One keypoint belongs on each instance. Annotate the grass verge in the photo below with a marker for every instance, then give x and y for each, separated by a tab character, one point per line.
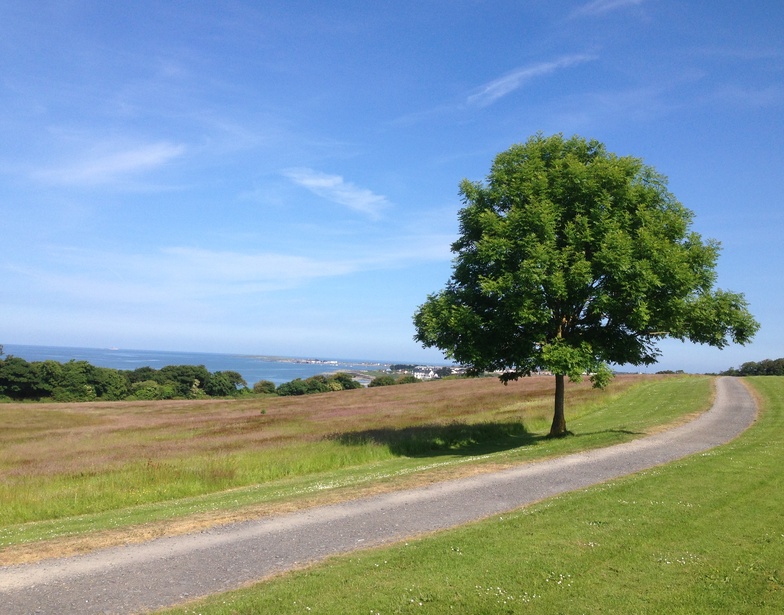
701	535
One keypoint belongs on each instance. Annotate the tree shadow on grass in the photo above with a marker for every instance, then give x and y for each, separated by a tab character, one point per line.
571	434
619	431
451	439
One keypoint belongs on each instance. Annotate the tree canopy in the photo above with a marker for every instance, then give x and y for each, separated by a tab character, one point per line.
571	258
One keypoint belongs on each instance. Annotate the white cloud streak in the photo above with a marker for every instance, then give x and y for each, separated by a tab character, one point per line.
109	166
334	188
178	275
600	7
251	272
498	88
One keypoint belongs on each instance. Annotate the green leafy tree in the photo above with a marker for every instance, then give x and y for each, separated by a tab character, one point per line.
766	367
571	258
224	384
382	381
20	379
50	376
146	390
142	374
265	387
219	385
295	387
188	380
317	384
110	383
346	381
76	383
235	378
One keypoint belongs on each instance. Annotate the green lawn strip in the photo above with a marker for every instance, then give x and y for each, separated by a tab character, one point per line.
325	466
701	535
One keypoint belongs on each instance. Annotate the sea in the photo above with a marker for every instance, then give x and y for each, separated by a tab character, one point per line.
253	368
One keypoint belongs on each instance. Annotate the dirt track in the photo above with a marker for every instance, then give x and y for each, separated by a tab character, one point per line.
167	571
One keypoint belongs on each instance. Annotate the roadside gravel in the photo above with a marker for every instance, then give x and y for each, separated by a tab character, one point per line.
167	571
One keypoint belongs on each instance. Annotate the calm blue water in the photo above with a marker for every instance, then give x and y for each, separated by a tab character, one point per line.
252	368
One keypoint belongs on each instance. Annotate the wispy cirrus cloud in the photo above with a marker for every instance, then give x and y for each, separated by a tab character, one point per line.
334	188
600	7
108	164
242	272
490	92
171	275
177	275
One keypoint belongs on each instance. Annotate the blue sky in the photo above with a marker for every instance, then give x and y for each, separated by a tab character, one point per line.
282	177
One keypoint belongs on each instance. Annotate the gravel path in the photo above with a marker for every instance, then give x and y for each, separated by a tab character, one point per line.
168	571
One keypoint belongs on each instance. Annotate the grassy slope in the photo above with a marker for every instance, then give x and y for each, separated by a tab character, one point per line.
112	473
702	535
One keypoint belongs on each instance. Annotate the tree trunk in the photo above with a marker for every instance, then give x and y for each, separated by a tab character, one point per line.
558	428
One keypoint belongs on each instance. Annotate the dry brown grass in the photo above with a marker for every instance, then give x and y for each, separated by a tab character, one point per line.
46	439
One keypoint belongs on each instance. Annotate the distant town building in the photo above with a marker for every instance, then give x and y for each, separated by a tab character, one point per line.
422	372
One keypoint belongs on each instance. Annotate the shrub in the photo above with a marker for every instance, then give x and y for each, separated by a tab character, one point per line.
346	381
264	387
382	381
296	387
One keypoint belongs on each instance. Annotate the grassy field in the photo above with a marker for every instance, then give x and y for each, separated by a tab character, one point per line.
702	535
79	476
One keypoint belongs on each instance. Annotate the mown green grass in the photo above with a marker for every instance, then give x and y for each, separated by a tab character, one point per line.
701	535
40	507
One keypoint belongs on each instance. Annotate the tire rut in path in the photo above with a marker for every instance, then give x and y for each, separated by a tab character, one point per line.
169	571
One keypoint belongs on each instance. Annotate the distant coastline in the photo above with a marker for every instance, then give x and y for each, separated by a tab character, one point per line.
253	368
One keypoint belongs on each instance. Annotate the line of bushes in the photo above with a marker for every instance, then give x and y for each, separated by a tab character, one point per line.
315	384
766	367
322	384
81	381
